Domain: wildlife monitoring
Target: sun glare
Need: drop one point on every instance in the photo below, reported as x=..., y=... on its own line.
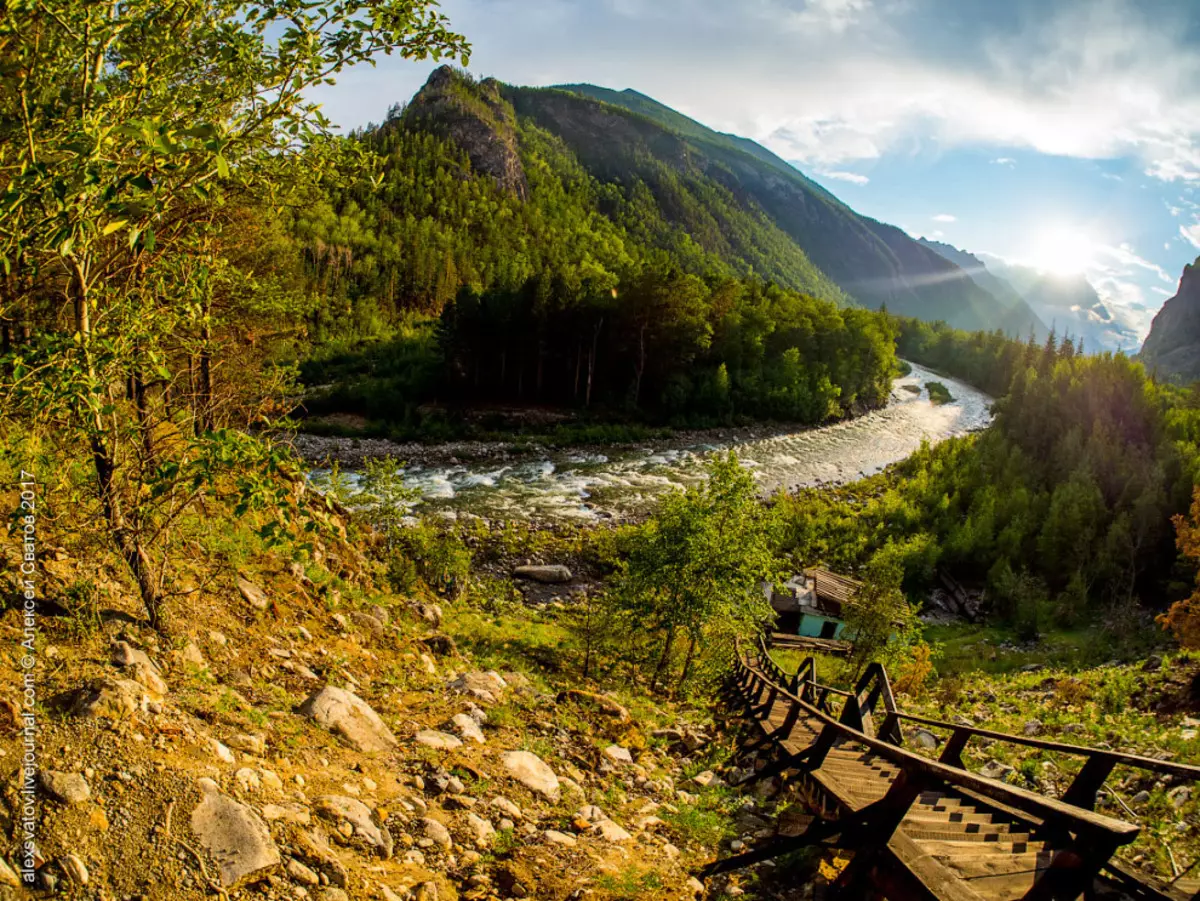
x=1062, y=249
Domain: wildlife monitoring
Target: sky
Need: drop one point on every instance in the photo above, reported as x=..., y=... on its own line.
x=1064, y=134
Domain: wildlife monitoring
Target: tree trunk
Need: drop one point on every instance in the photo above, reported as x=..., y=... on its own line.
x=104, y=462
x=663, y=659
x=687, y=664
x=640, y=368
x=578, y=366
x=207, y=415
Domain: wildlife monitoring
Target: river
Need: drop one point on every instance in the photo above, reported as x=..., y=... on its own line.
x=590, y=487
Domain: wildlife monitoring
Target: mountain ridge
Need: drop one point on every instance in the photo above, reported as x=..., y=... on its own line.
x=876, y=263
x=1172, y=349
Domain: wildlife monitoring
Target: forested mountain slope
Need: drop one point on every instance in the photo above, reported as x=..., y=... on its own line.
x=532, y=279
x=877, y=264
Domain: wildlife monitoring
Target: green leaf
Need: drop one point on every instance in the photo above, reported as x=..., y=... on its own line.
x=114, y=226
x=148, y=242
x=222, y=166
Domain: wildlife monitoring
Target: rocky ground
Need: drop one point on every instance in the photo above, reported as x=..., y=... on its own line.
x=301, y=735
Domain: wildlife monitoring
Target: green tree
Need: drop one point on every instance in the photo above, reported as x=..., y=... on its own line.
x=694, y=572
x=879, y=620
x=128, y=134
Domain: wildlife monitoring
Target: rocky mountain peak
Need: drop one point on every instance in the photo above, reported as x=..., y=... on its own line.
x=1172, y=349
x=478, y=119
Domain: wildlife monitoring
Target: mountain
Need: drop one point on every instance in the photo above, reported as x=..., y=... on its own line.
x=1069, y=304
x=627, y=139
x=1172, y=349
x=1019, y=319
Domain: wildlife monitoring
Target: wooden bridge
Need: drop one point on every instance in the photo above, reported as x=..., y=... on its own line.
x=930, y=829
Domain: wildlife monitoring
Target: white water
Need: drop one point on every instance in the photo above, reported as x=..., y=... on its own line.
x=589, y=487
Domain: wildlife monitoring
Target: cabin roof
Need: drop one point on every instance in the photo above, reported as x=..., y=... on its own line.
x=832, y=587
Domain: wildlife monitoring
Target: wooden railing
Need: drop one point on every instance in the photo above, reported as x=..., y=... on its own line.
x=1091, y=837
x=1098, y=762
x=1088, y=838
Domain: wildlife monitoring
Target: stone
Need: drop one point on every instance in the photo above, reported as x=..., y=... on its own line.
x=311, y=846
x=65, y=788
x=706, y=779
x=484, y=687
x=532, y=772
x=234, y=836
x=506, y=807
x=482, y=831
x=426, y=891
x=342, y=810
x=254, y=596
x=302, y=874
x=1033, y=727
x=554, y=837
x=221, y=752
x=8, y=875
x=619, y=755
x=1179, y=796
x=466, y=726
x=994, y=769
x=923, y=738
x=605, y=705
x=249, y=744
x=367, y=622
x=441, y=645
x=1141, y=797
x=193, y=656
x=114, y=699
x=611, y=832
x=435, y=832
x=75, y=869
x=591, y=814
x=286, y=813
x=547, y=575
x=439, y=741
x=347, y=715
x=247, y=779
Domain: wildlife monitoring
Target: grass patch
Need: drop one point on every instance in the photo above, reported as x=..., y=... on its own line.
x=630, y=883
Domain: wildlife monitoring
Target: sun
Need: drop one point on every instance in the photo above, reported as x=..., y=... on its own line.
x=1062, y=249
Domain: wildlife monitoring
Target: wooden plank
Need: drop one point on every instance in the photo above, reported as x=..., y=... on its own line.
x=1077, y=818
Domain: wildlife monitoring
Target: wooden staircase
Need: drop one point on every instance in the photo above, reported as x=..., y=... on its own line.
x=924, y=829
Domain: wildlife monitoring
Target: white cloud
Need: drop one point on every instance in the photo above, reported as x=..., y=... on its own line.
x=832, y=16
x=945, y=217
x=1191, y=233
x=1004, y=161
x=852, y=177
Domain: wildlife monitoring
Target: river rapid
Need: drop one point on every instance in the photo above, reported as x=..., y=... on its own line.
x=588, y=487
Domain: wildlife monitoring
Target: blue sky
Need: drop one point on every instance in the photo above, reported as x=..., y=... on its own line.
x=1051, y=132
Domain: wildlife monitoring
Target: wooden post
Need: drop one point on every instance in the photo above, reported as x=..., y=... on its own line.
x=1082, y=792
x=952, y=753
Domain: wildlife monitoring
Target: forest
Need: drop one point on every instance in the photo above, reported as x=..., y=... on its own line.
x=440, y=287
x=1062, y=509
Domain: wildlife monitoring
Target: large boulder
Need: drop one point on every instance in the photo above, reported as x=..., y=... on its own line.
x=547, y=575
x=348, y=715
x=532, y=772
x=235, y=837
